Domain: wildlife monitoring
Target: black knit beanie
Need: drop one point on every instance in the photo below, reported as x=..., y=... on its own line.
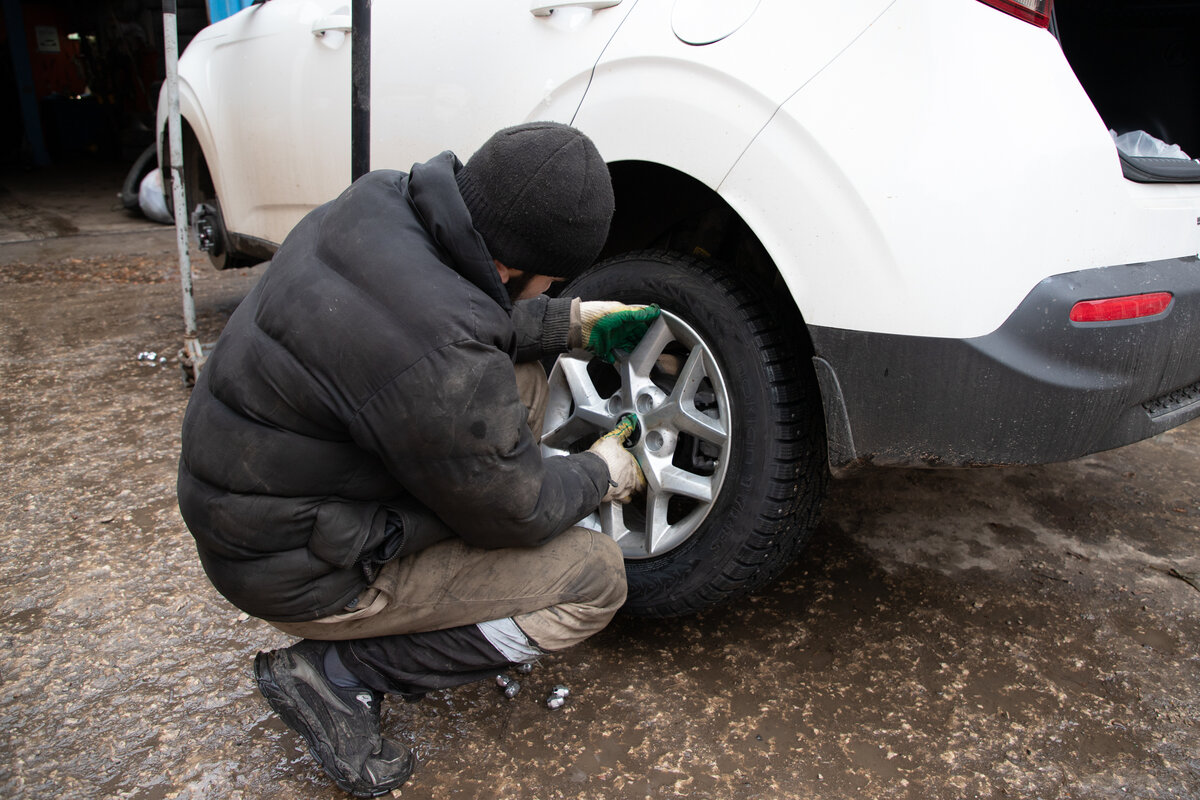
x=541, y=197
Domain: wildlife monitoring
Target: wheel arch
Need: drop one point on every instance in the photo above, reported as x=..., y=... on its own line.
x=195, y=162
x=238, y=250
x=661, y=207
x=664, y=208
x=196, y=132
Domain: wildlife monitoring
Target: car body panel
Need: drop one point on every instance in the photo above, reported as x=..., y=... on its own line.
x=696, y=108
x=945, y=231
x=521, y=68
x=266, y=188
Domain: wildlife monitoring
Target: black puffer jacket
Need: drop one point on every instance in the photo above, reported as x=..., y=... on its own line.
x=369, y=375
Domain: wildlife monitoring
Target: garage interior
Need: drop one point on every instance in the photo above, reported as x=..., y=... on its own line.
x=80, y=78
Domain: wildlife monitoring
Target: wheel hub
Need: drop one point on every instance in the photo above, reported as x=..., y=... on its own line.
x=205, y=221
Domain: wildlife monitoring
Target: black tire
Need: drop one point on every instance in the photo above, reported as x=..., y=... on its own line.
x=144, y=165
x=777, y=470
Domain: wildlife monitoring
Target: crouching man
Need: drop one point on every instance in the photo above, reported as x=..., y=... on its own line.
x=360, y=460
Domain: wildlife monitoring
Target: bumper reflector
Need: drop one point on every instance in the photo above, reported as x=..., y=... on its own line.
x=1113, y=309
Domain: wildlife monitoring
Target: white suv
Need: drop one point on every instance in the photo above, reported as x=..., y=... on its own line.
x=895, y=232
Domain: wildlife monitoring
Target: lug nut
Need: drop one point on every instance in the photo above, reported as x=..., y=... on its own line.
x=508, y=686
x=558, y=697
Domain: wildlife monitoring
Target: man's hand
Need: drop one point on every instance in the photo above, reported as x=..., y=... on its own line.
x=625, y=476
x=609, y=326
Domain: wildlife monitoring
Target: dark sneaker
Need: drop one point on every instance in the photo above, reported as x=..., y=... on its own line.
x=340, y=725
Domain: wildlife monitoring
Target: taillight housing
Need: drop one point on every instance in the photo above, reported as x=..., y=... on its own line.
x=1036, y=12
x=1114, y=309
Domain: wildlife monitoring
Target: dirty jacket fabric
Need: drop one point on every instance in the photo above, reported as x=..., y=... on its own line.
x=362, y=401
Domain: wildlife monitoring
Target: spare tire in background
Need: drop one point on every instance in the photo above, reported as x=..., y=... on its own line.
x=731, y=432
x=146, y=162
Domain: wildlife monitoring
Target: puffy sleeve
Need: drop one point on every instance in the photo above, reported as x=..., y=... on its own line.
x=452, y=430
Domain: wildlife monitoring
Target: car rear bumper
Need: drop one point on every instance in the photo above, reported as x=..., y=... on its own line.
x=1038, y=389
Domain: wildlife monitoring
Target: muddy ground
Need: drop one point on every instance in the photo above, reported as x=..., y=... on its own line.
x=1016, y=633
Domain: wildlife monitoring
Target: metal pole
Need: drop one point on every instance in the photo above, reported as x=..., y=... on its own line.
x=23, y=71
x=360, y=89
x=193, y=353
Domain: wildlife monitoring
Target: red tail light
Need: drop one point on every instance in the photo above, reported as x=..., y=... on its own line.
x=1118, y=308
x=1033, y=11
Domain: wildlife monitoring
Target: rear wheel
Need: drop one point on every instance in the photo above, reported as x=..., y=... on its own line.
x=730, y=432
x=204, y=207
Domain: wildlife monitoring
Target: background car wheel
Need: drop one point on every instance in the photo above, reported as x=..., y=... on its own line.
x=731, y=433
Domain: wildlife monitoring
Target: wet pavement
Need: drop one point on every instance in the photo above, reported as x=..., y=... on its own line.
x=1015, y=633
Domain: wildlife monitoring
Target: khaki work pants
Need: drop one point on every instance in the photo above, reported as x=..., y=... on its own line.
x=559, y=594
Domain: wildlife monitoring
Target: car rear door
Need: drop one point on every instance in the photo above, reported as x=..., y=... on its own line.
x=281, y=128
x=445, y=75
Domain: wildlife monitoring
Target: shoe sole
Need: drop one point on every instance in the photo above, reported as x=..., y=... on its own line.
x=283, y=705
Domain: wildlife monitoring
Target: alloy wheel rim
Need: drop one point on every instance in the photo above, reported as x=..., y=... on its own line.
x=673, y=384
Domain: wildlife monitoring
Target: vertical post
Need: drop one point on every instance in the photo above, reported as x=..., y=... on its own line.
x=14, y=20
x=193, y=353
x=360, y=89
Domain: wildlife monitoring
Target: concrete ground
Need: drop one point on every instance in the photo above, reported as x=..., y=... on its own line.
x=1016, y=633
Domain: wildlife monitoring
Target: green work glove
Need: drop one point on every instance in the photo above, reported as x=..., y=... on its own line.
x=609, y=327
x=625, y=477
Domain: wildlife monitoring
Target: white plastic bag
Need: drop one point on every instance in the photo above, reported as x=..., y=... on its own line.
x=1142, y=145
x=151, y=198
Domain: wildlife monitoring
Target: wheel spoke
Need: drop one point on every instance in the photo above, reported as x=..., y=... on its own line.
x=589, y=405
x=652, y=467
x=657, y=526
x=694, y=370
x=645, y=355
x=612, y=520
x=589, y=411
x=690, y=419
x=677, y=481
x=567, y=432
x=679, y=411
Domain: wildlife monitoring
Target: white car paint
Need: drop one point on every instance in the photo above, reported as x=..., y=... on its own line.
x=911, y=166
x=230, y=94
x=930, y=197
x=449, y=87
x=695, y=109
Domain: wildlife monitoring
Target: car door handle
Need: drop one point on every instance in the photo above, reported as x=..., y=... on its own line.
x=542, y=8
x=335, y=22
